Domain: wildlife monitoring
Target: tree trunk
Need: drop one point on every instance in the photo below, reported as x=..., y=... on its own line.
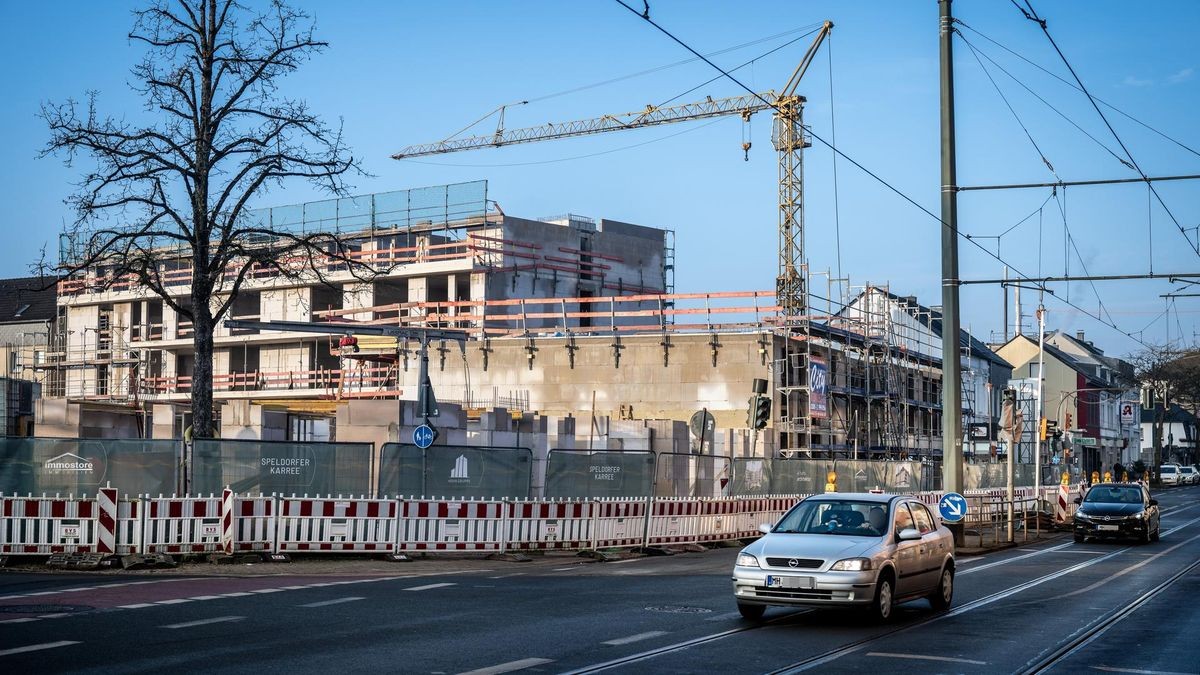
x=202, y=373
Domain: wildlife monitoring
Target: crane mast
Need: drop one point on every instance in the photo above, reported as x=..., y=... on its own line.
x=787, y=138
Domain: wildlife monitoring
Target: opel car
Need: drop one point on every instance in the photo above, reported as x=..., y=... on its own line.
x=870, y=551
x=1117, y=510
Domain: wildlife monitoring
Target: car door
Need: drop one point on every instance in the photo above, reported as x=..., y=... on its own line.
x=908, y=553
x=933, y=545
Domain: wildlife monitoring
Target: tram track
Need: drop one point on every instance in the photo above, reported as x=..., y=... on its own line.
x=829, y=656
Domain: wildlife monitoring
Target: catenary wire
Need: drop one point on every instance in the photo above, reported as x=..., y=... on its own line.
x=872, y=174
x=1042, y=22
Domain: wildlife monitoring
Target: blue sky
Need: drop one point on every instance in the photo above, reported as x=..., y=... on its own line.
x=399, y=73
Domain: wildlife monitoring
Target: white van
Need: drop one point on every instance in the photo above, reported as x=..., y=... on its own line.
x=1168, y=474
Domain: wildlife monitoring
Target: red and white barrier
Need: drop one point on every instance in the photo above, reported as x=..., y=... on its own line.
x=180, y=525
x=768, y=510
x=247, y=523
x=437, y=525
x=618, y=523
x=723, y=520
x=44, y=525
x=535, y=525
x=673, y=521
x=315, y=525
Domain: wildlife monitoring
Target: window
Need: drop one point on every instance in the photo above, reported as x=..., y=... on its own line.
x=921, y=515
x=904, y=520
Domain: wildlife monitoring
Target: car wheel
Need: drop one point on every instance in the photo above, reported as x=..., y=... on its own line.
x=944, y=593
x=1078, y=538
x=751, y=612
x=885, y=596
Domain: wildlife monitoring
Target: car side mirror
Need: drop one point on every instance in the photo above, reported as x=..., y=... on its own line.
x=765, y=528
x=1079, y=500
x=1153, y=502
x=909, y=534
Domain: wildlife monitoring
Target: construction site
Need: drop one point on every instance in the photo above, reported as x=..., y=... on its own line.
x=562, y=316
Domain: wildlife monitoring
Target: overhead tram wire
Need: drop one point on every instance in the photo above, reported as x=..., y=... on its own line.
x=1032, y=15
x=875, y=176
x=1073, y=86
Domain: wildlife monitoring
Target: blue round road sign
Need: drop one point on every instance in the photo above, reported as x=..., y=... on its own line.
x=953, y=507
x=423, y=436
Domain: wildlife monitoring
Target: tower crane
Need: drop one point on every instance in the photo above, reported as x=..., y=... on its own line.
x=787, y=137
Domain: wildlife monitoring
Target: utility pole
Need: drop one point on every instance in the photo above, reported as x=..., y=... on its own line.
x=952, y=458
x=1041, y=383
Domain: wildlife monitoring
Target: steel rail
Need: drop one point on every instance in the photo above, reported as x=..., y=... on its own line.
x=1098, y=629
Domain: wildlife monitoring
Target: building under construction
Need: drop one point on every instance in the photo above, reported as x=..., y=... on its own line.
x=565, y=316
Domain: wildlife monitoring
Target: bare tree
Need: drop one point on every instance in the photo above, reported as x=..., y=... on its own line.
x=170, y=192
x=1173, y=375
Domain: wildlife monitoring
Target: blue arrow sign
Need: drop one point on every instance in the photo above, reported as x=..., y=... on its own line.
x=423, y=436
x=953, y=507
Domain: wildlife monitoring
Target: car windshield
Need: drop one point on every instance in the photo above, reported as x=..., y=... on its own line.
x=1168, y=469
x=1114, y=495
x=826, y=516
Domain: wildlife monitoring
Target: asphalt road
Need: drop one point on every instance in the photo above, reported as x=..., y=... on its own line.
x=1057, y=607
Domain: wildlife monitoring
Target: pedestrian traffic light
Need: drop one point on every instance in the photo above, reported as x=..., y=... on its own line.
x=762, y=412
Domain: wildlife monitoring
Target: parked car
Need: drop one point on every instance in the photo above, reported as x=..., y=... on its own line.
x=1168, y=474
x=1188, y=475
x=847, y=550
x=1117, y=510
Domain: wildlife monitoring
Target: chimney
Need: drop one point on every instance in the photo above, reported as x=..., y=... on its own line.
x=1079, y=335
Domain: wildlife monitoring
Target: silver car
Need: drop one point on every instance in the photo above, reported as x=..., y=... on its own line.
x=848, y=550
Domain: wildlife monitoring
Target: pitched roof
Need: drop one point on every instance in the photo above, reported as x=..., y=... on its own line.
x=1068, y=359
x=28, y=299
x=932, y=319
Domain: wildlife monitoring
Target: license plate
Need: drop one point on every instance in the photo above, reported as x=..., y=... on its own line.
x=776, y=581
x=1108, y=528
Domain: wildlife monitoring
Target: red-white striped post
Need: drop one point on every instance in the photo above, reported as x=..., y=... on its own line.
x=227, y=518
x=106, y=520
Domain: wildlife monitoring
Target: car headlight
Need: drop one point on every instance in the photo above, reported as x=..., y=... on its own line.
x=746, y=560
x=1083, y=516
x=852, y=565
x=1139, y=515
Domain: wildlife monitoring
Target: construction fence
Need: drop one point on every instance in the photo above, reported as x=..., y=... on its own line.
x=233, y=523
x=79, y=467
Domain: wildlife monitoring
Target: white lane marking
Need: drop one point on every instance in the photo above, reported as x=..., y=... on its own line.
x=292, y=588
x=173, y=601
x=204, y=597
x=563, y=569
x=1120, y=573
x=99, y=587
x=508, y=667
x=634, y=638
x=326, y=603
x=137, y=606
x=1016, y=558
x=724, y=617
x=505, y=576
x=53, y=616
x=891, y=655
x=38, y=648
x=236, y=594
x=969, y=561
x=1113, y=669
x=627, y=560
x=203, y=622
x=266, y=590
x=425, y=588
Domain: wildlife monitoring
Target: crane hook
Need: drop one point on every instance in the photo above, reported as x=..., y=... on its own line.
x=746, y=150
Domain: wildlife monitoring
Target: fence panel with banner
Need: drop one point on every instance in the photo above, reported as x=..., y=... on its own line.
x=81, y=466
x=765, y=476
x=473, y=472
x=281, y=467
x=599, y=473
x=678, y=474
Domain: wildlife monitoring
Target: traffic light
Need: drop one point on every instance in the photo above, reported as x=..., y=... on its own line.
x=750, y=406
x=762, y=412
x=1068, y=424
x=1042, y=429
